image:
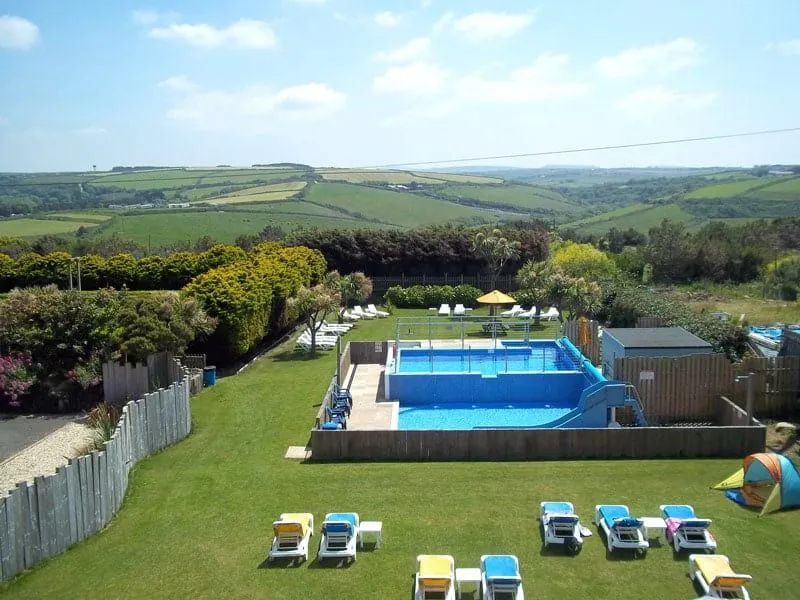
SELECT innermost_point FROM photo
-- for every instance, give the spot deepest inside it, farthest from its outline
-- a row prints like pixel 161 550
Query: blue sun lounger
pixel 339 536
pixel 685 530
pixel 621 529
pixel 500 577
pixel 560 525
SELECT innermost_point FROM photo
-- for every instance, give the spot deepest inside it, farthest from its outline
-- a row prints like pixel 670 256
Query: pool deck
pixel 370 409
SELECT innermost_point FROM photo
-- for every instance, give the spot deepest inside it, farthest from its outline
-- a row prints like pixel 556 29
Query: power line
pixel 100 181
pixel 588 149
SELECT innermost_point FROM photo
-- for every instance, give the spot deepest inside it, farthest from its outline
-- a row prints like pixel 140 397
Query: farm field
pixel 27 228
pixel 254 195
pixel 459 178
pixel 525 197
pixel 736 188
pixel 91 217
pixel 189 527
pixel 639 216
pixel 785 190
pixel 159 229
pixel 389 177
pixel 176 178
pixel 397 208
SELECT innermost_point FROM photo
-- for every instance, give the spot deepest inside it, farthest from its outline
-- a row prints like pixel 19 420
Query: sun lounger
pixel 378 313
pixel 444 310
pixel 550 315
pixel 339 536
pixel 292 532
pixel 340 326
pixel 560 525
pixel 527 314
pixel 349 316
pixel 357 310
pixel 435 578
pixel 459 310
pixel 685 531
pixel 512 312
pixel 714 574
pixel 500 579
pixel 622 531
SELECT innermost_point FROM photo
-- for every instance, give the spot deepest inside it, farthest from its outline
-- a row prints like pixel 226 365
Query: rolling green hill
pixel 523 197
pixel 166 179
pixel 638 216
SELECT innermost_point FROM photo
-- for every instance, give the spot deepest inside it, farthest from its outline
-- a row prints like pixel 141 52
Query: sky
pixel 357 83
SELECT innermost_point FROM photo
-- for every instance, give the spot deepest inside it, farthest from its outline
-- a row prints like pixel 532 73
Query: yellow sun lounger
pixel 292 533
pixel 714 574
pixel 435 577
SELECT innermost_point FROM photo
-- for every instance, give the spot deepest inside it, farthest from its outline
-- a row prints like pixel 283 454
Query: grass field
pixel 733 188
pixel 90 217
pixel 160 229
pixel 638 216
pixel 458 178
pixel 522 196
pixel 39 227
pixel 197 518
pixel 741 299
pixel 176 178
pixel 398 208
pixel 254 195
pixel 785 190
pixel 364 176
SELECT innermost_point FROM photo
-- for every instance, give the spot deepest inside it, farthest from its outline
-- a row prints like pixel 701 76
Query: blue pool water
pixel 472 416
pixel 534 358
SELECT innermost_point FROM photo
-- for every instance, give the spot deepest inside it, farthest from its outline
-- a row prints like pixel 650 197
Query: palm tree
pixel 496 250
pixel 534 280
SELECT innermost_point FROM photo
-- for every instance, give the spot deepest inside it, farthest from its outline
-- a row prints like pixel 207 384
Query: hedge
pixel 248 297
pixel 425 296
pixel 149 273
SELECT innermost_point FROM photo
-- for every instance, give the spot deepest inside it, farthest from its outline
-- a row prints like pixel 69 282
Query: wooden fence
pixel 381 283
pixel 42 519
pixel 124 381
pixel 649 322
pixel 687 389
pixel 591 350
pixel 537 444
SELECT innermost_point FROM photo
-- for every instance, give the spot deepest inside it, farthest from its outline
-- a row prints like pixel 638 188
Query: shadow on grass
pixel 619 554
pixel 298 355
pixel 281 563
pixel 331 563
pixel 556 550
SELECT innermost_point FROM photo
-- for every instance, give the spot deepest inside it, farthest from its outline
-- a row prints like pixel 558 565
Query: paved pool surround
pixel 535 384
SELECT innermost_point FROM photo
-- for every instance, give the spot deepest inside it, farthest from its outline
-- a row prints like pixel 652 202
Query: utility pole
pixel 70 274
pixel 79 273
pixel 750 382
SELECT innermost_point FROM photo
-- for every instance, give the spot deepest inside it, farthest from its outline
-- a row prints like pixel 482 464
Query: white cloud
pixel 656 59
pixel 789 46
pixel 256 108
pixel 415 79
pixel 17 33
pixel 541 80
pixel 90 130
pixel 387 18
pixel 443 21
pixel 244 33
pixel 178 83
pixel 145 16
pixel 652 100
pixel 482 26
pixel 413 50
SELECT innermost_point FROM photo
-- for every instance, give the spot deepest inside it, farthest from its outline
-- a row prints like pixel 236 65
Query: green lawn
pixel 639 216
pixel 397 208
pixel 196 522
pixel 37 227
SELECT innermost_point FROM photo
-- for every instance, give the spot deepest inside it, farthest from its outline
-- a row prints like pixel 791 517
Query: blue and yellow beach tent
pixel 768 480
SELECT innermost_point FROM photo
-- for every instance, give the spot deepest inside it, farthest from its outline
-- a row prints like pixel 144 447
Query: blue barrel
pixel 209 375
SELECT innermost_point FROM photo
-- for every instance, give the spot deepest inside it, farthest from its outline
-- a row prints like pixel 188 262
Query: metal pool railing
pixel 505 361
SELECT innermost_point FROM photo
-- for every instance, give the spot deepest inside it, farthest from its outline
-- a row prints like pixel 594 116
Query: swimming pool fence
pixel 41 519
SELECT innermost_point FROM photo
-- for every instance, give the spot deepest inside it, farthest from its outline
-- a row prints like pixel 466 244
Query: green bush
pixel 426 296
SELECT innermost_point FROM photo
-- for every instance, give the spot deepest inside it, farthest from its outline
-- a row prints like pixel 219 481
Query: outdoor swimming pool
pixel 520 384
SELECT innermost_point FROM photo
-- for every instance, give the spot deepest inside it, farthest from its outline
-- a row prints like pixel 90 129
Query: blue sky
pixel 358 83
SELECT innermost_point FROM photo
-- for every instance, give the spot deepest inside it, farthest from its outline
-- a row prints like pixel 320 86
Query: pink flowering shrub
pixel 16 377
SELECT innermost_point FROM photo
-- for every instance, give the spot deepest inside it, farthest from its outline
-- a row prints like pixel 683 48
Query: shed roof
pixel 656 337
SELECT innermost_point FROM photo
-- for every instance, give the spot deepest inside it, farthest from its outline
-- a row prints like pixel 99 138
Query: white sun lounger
pixel 292 532
pixel 339 326
pixel 500 579
pixel 435 578
pixel 685 530
pixel 444 310
pixel 378 313
pixel 621 529
pixel 560 525
pixel 512 312
pixel 550 315
pixel 714 574
pixel 339 536
pixel 527 314
pixel 459 310
pixel 357 310
pixel 349 316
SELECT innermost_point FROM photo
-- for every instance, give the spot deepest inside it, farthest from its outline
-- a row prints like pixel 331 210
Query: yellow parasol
pixel 494 298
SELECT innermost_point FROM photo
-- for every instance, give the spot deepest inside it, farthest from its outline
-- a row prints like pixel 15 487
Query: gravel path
pixel 17 432
pixel 45 456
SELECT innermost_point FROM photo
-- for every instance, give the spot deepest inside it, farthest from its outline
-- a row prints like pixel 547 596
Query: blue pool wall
pixel 587 392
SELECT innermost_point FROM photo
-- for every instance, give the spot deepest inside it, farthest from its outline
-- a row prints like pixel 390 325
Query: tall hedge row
pixel 248 297
pixel 149 273
pixel 427 296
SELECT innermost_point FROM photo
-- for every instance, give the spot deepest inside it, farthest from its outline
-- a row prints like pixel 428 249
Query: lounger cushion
pixel 293 523
pixel 564 519
pixel 351 518
pixel 556 507
pixel 678 511
pixel 331 425
pixel 697 523
pixel 717 572
pixel 611 512
pixel 627 522
pixel 337 527
pixel 435 567
pixel 500 567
